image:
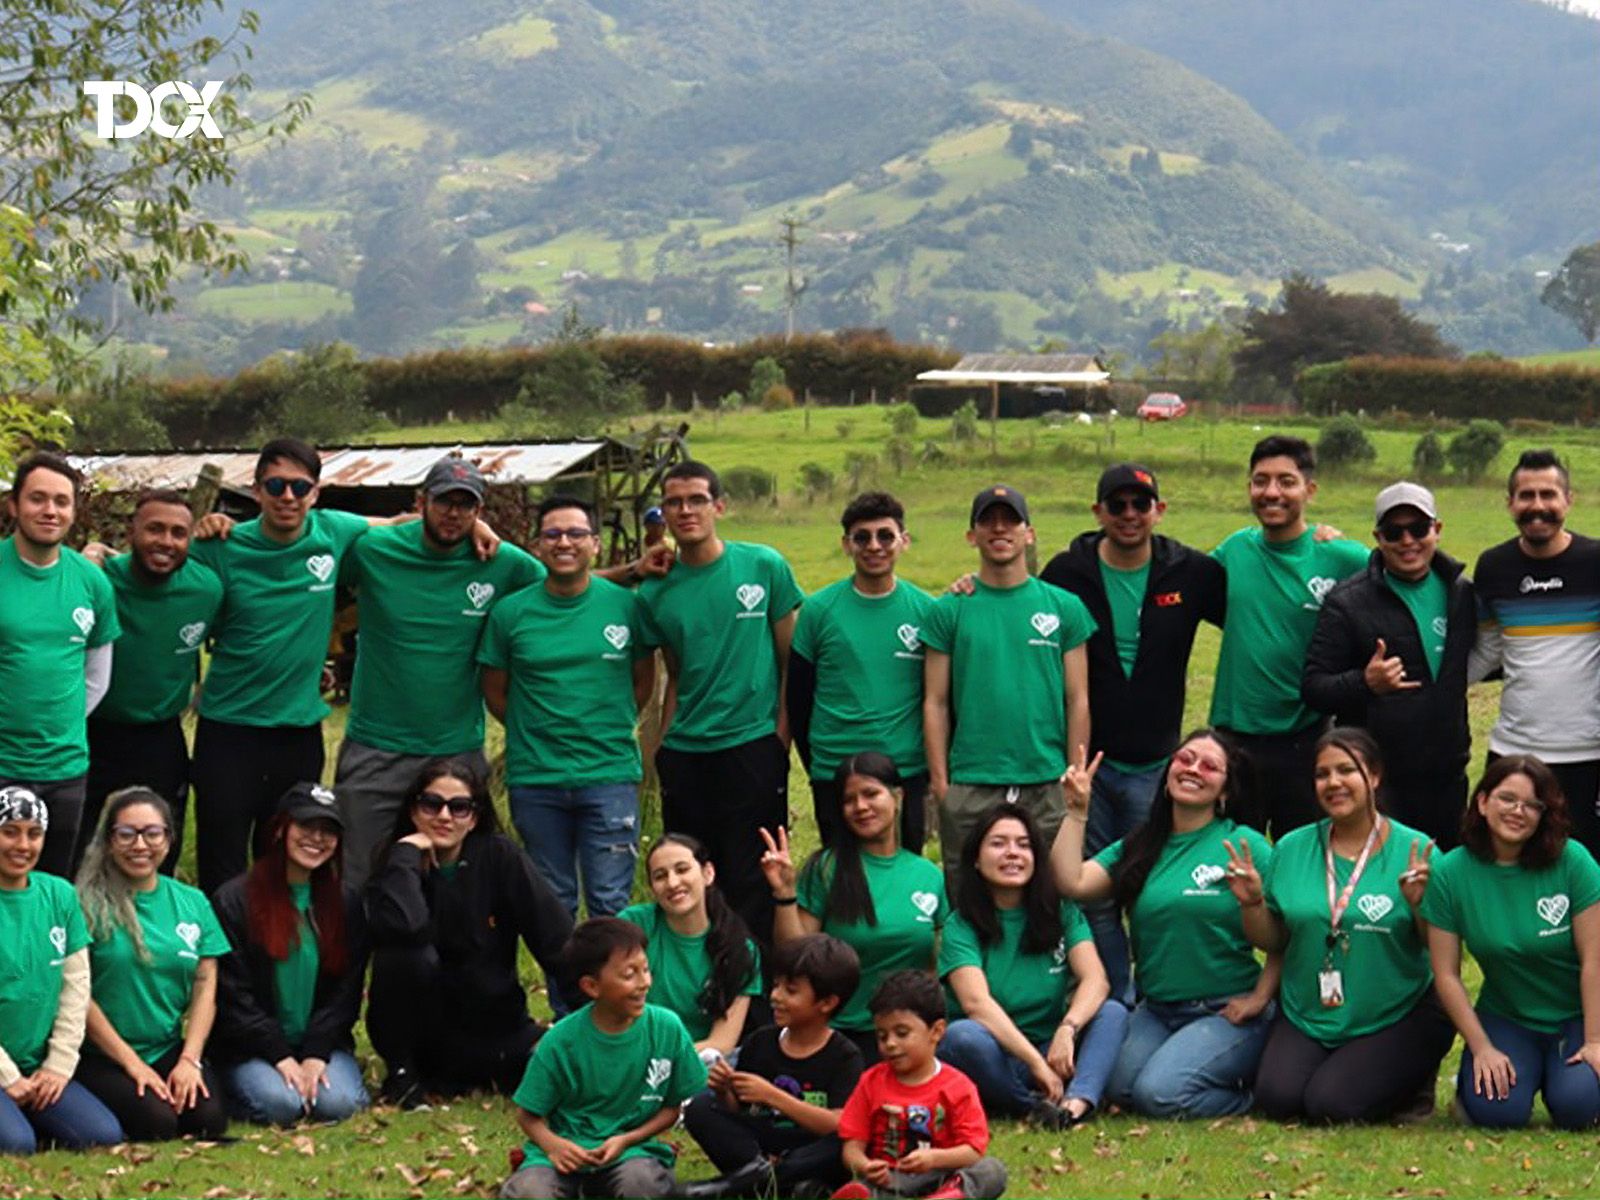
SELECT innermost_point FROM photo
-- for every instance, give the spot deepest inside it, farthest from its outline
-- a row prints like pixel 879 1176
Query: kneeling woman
pixel 1525 898
pixel 1361 1033
pixel 1040 1036
pixel 154 964
pixel 290 992
pixel 44 994
pixel 703 965
pixel 446 907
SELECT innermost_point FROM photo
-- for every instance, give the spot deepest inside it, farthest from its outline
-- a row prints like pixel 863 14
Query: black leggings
pixel 149 1118
pixel 1367 1079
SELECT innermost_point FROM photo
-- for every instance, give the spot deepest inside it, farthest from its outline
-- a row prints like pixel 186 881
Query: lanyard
pixel 1336 906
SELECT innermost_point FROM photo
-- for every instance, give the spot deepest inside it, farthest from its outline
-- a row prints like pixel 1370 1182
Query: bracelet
pixel 1068 1024
pixel 785 901
pixel 1075 815
pixel 191 1060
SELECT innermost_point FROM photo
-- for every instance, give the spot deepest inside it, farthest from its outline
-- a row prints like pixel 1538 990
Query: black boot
pixel 752 1179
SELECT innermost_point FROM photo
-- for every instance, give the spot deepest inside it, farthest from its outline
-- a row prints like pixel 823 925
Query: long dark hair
pixel 270 914
pixel 459 769
pixel 1142 848
pixel 849 899
pixel 1549 839
pixel 1363 750
pixel 1041 931
pixel 727 937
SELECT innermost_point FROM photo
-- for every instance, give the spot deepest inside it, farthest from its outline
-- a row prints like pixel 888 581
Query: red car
pixel 1162 406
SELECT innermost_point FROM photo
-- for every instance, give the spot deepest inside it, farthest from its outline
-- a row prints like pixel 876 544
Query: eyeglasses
pixel 277 485
pixel 1117 505
pixel 1393 531
pixel 431 804
pixel 453 501
pixel 127 835
pixel 697 501
pixel 1515 803
pixel 1193 760
pixel 865 537
pixel 572 535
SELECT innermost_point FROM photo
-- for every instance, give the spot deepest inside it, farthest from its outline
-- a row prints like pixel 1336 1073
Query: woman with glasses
pixel 291 990
pixel 448 902
pixel 1525 899
pixel 154 968
pixel 1197 1034
pixel 44 994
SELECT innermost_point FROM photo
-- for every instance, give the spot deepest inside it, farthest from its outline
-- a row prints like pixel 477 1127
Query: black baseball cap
pixel 310 802
pixel 999 494
pixel 452 474
pixel 1121 477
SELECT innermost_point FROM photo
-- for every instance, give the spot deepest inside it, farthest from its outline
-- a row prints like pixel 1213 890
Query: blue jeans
pixel 1186 1060
pixel 1119 804
pixel 1004 1082
pixel 257 1093
pixel 594 829
pixel 74 1122
pixel 1571 1092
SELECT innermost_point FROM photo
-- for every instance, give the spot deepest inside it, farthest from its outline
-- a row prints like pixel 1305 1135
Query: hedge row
pixel 1462 390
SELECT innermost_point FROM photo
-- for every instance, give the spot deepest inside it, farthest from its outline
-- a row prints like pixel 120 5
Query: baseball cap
pixel 1398 494
pixel 1124 476
pixel 652 516
pixel 310 802
pixel 999 494
pixel 452 474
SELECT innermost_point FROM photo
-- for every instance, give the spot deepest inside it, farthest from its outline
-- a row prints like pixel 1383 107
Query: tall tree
pixel 1574 290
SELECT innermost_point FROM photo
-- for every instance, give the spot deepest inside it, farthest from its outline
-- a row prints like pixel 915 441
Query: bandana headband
pixel 19 804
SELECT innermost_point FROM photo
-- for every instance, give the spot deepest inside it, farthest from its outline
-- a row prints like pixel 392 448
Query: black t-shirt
pixel 824 1079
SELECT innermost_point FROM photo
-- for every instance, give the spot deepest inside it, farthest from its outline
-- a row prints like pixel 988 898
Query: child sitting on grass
pixel 914 1126
pixel 772 1125
pixel 605 1080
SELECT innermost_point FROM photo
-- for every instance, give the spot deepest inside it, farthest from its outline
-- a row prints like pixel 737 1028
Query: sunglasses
pixel 277 485
pixel 431 804
pixel 865 537
pixel 1142 503
pixel 1393 531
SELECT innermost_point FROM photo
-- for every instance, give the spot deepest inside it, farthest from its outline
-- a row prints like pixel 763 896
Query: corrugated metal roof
pixel 347 466
pixel 1021 368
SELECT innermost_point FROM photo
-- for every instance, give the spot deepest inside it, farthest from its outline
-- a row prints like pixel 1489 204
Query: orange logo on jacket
pixel 1168 599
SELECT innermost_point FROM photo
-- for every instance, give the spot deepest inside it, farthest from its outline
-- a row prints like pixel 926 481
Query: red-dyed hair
pixel 273 920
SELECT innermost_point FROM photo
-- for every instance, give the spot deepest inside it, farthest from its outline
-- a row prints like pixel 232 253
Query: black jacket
pixel 1422 731
pixel 247 1015
pixel 474 922
pixel 1139 718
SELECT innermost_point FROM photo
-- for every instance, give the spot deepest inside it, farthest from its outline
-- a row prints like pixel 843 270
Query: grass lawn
pixel 1566 358
pixel 303 300
pixel 461 1149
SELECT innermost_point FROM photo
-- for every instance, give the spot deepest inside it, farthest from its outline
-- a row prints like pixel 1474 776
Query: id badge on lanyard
pixel 1330 979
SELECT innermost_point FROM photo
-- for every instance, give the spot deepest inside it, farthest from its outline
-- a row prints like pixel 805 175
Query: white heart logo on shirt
pixel 1206 874
pixel 926 903
pixel 1320 586
pixel 910 636
pixel 750 595
pixel 189 934
pixel 320 565
pixel 480 593
pixel 658 1072
pixel 58 938
pixel 83 618
pixel 617 635
pixel 1553 908
pixel 1440 627
pixel 1374 908
pixel 1045 623
pixel 191 634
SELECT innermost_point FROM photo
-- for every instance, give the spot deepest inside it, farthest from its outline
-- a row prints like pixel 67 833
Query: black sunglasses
pixel 278 485
pixel 884 537
pixel 431 804
pixel 1393 531
pixel 1117 505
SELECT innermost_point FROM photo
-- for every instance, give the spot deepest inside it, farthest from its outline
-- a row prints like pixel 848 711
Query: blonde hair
pixel 106 894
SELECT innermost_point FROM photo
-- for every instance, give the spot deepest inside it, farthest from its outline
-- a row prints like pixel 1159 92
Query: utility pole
pixel 790 238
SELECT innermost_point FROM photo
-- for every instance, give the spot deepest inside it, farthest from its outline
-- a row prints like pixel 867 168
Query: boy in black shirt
pixel 773 1122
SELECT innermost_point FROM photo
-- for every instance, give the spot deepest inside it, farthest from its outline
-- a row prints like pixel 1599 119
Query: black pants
pixel 1432 806
pixel 63 800
pixel 725 798
pixel 866 1041
pixel 240 774
pixel 415 1025
pixel 149 1118
pixel 1367 1079
pixel 825 800
pixel 732 1139
pixel 1284 767
pixel 1580 784
pixel 123 754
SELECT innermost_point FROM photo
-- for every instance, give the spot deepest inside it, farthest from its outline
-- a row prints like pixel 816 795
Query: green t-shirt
pixel 421 615
pixel 1428 599
pixel 1125 595
pixel 40 926
pixel 590 1085
pixel 1518 924
pixel 867 651
pixel 1034 989
pixel 1185 929
pixel 277 615
pixel 295 978
pixel 908 899
pixel 1385 971
pixel 49 617
pixel 1005 647
pixel 717 621
pixel 680 966
pixel 145 999
pixel 156 661
pixel 1275 592
pixel 570 711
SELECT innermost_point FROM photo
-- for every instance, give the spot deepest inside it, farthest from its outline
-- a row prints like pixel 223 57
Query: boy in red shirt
pixel 914 1126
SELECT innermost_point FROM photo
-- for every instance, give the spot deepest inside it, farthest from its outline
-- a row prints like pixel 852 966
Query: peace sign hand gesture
pixel 777 866
pixel 1079 780
pixel 1414 879
pixel 1243 878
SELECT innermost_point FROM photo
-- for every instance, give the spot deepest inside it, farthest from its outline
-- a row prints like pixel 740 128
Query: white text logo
pixel 147 108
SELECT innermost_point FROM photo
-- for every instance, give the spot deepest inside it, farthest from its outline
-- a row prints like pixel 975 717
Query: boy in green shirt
pixel 605 1081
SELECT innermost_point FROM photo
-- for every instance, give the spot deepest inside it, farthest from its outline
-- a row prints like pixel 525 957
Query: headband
pixel 19 804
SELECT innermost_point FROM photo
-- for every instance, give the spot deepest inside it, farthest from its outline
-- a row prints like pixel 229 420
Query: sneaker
pixel 951 1189
pixel 1045 1115
pixel 854 1190
pixel 752 1179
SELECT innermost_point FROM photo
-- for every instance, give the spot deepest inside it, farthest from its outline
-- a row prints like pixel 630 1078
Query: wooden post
pixel 994 417
pixel 207 490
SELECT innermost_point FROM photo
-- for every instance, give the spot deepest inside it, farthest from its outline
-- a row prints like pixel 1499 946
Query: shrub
pixel 750 484
pixel 731 401
pixel 777 398
pixel 1530 425
pixel 1344 444
pixel 900 453
pixel 902 420
pixel 844 429
pixel 1428 459
pixel 964 423
pixel 816 480
pixel 859 468
pixel 1473 451
pixel 766 374
pixel 324 398
pixel 1464 390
